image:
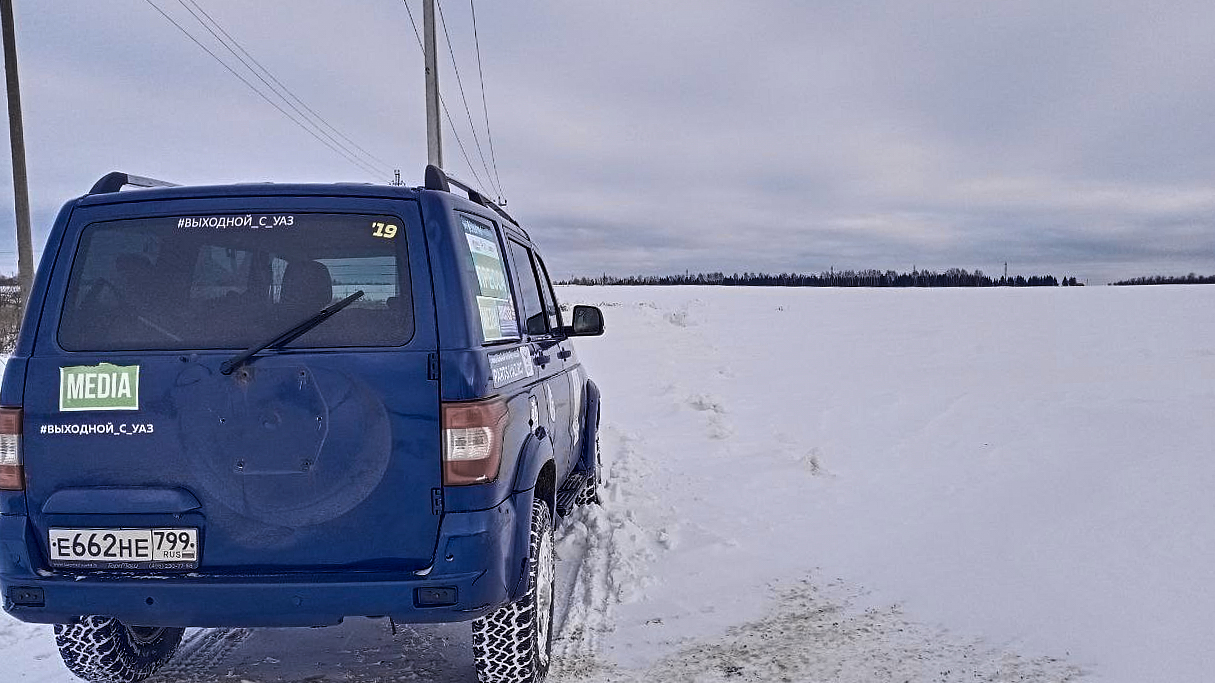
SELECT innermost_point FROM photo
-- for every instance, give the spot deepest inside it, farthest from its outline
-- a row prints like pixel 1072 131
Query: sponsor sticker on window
pixel 99 387
pixel 494 301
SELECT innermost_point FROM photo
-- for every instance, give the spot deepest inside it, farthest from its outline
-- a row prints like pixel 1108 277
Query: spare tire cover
pixel 289 446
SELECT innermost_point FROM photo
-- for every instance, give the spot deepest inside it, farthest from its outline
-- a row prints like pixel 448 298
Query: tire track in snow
pixel 816 633
pixel 202 651
pixel 606 552
pixel 356 651
pixel 604 558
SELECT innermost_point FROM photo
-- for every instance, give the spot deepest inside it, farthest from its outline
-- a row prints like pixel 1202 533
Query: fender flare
pixel 535 455
pixel 532 458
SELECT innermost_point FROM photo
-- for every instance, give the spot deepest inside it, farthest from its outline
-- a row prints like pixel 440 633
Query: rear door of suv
pixel 323 453
pixel 539 320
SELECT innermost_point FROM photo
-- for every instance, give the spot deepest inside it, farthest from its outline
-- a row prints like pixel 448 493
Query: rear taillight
pixel 472 441
pixel 12 477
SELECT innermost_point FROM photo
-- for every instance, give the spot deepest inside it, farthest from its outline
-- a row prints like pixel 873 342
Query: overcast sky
pixel 1068 138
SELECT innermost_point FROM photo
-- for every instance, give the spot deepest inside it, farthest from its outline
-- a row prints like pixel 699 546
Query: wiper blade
pixel 290 335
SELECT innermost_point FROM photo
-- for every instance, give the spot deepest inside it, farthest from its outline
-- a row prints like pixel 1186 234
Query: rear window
pixel 228 282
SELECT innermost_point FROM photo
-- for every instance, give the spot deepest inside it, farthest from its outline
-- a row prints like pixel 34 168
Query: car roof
pixel 352 190
pixel 108 191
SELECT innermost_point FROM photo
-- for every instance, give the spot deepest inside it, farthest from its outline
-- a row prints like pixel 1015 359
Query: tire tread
pixel 101 650
pixel 505 647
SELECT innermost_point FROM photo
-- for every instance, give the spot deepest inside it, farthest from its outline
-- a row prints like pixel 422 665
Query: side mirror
pixel 588 322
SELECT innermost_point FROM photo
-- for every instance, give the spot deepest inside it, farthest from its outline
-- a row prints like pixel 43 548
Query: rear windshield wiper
pixel 290 335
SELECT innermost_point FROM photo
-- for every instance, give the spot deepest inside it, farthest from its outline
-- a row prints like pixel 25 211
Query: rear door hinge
pixel 432 367
pixel 436 501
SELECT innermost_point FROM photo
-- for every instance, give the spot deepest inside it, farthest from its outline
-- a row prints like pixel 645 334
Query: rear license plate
pixel 124 548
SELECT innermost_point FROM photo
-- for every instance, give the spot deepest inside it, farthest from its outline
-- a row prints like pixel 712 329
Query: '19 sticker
pixel 385 230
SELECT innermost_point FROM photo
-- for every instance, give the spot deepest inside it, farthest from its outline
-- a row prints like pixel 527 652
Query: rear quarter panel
pixel 465 372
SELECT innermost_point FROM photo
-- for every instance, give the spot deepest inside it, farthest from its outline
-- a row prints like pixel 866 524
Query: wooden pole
pixel 16 136
pixel 434 126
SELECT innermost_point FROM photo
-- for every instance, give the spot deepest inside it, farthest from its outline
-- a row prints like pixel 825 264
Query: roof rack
pixel 113 182
pixel 436 179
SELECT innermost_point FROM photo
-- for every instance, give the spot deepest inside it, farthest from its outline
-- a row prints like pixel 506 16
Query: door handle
pixel 564 353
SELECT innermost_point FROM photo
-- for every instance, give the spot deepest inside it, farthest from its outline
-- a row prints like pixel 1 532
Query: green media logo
pixel 99 387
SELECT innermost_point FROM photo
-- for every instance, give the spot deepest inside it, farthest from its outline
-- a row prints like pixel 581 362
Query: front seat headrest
pixel 307 285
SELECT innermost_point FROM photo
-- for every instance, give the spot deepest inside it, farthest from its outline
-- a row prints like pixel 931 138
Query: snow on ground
pixel 852 485
pixel 1028 469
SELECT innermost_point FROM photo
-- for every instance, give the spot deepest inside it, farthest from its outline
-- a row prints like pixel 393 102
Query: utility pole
pixel 434 126
pixel 16 136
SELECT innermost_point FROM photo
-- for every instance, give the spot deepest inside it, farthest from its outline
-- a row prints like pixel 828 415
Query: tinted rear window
pixel 227 282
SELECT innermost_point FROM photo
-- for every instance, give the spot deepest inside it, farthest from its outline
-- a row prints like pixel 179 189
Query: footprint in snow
pixel 706 403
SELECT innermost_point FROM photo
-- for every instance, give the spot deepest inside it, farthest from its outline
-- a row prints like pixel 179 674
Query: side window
pixel 487 280
pixel 551 308
pixel 529 290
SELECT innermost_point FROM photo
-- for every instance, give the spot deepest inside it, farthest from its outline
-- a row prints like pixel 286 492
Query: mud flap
pixel 590 428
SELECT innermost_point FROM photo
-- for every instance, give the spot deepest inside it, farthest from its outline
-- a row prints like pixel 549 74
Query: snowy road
pixel 853 485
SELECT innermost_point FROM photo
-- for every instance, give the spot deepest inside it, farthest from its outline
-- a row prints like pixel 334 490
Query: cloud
pixel 653 137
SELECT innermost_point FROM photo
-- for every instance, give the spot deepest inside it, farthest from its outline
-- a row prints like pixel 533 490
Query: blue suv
pixel 284 405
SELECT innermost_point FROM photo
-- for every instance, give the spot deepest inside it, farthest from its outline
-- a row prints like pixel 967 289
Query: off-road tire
pixel 590 490
pixel 104 650
pixel 514 644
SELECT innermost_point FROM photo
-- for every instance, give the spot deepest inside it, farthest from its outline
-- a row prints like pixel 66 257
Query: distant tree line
pixel 10 313
pixel 1190 279
pixel 954 277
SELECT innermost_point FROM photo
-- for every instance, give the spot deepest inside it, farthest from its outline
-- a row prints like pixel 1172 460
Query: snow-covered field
pixel 853 485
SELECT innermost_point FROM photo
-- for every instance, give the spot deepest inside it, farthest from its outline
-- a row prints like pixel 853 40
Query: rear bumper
pixel 473 573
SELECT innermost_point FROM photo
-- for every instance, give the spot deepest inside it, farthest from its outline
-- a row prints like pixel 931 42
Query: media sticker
pixel 99 387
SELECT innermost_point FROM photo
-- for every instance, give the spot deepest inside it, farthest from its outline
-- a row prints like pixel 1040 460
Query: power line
pixel 460 82
pixel 460 143
pixel 305 128
pixel 443 104
pixel 257 75
pixel 344 153
pixel 282 90
pixel 484 103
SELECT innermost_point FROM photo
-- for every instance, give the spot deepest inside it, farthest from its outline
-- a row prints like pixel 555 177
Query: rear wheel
pixel 514 643
pixel 105 650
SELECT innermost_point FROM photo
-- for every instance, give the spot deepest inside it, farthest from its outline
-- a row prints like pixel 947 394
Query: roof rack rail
pixel 113 182
pixel 437 179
